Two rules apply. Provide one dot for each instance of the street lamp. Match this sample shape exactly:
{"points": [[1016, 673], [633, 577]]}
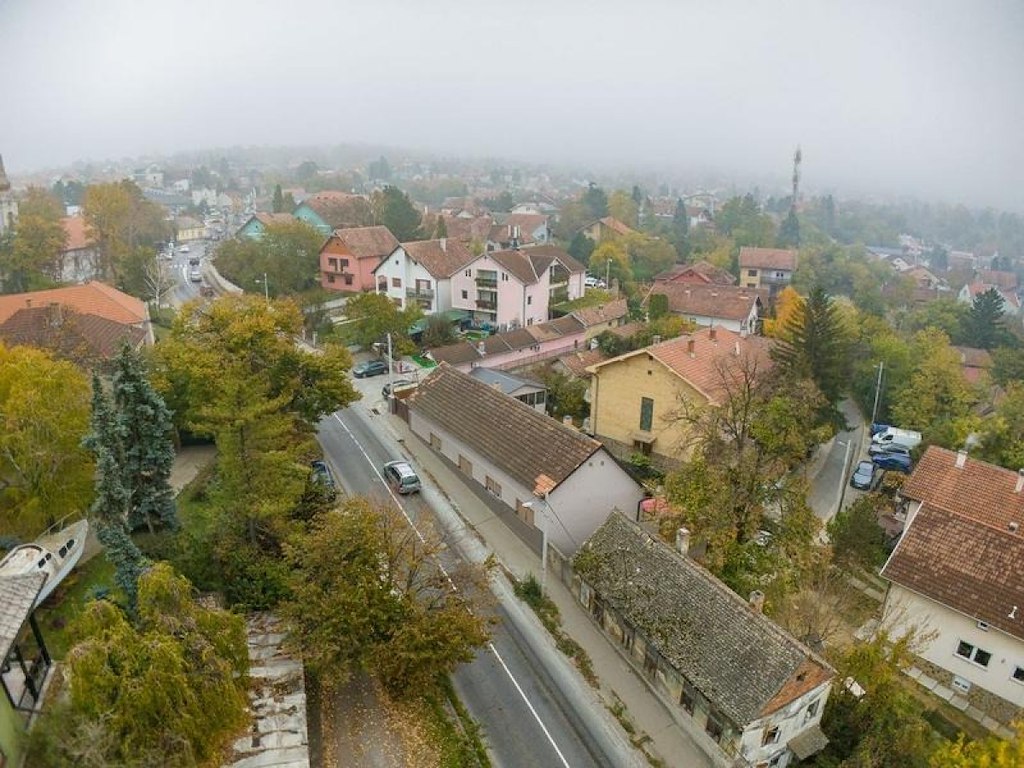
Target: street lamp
{"points": [[843, 479], [266, 288], [607, 274], [878, 390], [543, 541]]}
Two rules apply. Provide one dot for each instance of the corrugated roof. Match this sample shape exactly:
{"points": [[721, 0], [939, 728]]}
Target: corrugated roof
{"points": [[744, 664], [531, 447]]}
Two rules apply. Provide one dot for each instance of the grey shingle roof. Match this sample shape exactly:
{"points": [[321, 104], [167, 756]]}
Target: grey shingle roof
{"points": [[733, 655], [17, 595], [534, 449], [506, 382]]}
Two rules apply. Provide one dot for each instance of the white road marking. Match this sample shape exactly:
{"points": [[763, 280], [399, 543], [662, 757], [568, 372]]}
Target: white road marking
{"points": [[490, 646]]}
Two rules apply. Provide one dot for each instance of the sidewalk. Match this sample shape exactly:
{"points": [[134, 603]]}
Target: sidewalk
{"points": [[666, 737]]}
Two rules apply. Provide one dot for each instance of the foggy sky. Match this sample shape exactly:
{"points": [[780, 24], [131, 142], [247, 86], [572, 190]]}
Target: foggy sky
{"points": [[916, 96]]}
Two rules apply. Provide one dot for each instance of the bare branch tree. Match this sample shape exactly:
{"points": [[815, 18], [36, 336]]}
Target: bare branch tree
{"points": [[158, 280]]}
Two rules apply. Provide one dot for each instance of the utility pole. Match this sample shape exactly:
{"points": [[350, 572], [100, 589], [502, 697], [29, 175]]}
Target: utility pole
{"points": [[607, 274], [391, 389], [878, 390], [266, 288]]}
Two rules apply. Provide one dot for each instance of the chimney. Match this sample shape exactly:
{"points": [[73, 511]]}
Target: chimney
{"points": [[690, 346], [713, 334], [1013, 527], [1020, 481], [567, 420], [961, 459], [480, 348], [655, 339], [56, 314], [444, 244], [683, 541], [736, 349], [757, 601]]}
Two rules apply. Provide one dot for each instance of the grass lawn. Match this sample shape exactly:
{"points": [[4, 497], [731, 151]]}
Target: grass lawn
{"points": [[475, 335], [81, 585], [594, 297], [423, 362]]}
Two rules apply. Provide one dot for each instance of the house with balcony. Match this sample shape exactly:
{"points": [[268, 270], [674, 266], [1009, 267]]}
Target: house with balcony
{"points": [[957, 574], [349, 256], [533, 470], [421, 273], [747, 692], [770, 268], [635, 398], [330, 210], [733, 307], [515, 288]]}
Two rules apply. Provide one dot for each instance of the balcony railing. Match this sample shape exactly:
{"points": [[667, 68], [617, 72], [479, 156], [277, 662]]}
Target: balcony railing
{"points": [[419, 293], [486, 282], [489, 306], [770, 278]]}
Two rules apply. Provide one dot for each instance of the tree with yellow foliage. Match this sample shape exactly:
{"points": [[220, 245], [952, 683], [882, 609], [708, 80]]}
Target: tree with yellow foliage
{"points": [[992, 752], [785, 305]]}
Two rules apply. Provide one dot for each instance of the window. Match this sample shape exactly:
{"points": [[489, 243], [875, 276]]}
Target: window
{"points": [[343, 262], [688, 698], [714, 727], [469, 273], [332, 263], [983, 626], [1018, 674], [970, 652], [751, 273], [348, 279], [330, 278], [493, 486], [812, 709], [529, 300], [465, 294], [646, 413], [504, 277], [435, 442], [771, 736], [961, 684], [396, 282]]}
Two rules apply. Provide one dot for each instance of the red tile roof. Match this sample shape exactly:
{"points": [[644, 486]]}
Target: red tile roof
{"points": [[527, 222], [701, 271], [81, 338], [534, 449], [768, 258], [271, 219], [578, 362], [93, 298], [617, 226], [728, 302], [77, 234], [366, 242], [441, 258], [997, 278], [467, 230], [605, 313], [716, 351], [340, 210], [969, 566]]}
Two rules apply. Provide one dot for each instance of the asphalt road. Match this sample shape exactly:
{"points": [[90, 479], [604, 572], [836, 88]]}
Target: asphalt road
{"points": [[184, 289], [832, 481], [525, 717]]}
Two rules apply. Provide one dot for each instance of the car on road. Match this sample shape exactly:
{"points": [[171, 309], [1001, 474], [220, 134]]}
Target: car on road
{"points": [[593, 282], [896, 462], [184, 249], [864, 476], [370, 368], [194, 275], [401, 476], [890, 449], [387, 389], [322, 478]]}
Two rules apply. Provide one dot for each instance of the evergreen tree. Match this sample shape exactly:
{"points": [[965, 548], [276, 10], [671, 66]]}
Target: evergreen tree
{"points": [[147, 446], [278, 204], [393, 209], [789, 232], [983, 326], [680, 228], [595, 201], [111, 507], [813, 344], [581, 247], [441, 230]]}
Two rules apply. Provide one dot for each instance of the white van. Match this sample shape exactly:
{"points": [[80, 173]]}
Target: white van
{"points": [[896, 436]]}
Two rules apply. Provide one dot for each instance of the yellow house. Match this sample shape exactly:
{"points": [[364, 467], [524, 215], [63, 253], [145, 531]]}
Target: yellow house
{"points": [[770, 268], [636, 398]]}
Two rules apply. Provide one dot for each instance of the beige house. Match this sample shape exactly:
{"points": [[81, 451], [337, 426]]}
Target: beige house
{"points": [[636, 398], [609, 226], [770, 268], [958, 573]]}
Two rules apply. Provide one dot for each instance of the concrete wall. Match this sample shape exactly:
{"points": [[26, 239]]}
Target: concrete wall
{"points": [[909, 609]]}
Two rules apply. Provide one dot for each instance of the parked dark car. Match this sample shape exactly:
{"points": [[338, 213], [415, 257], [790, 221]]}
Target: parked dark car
{"points": [[370, 368], [864, 476], [323, 478], [396, 384], [896, 462], [888, 449]]}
